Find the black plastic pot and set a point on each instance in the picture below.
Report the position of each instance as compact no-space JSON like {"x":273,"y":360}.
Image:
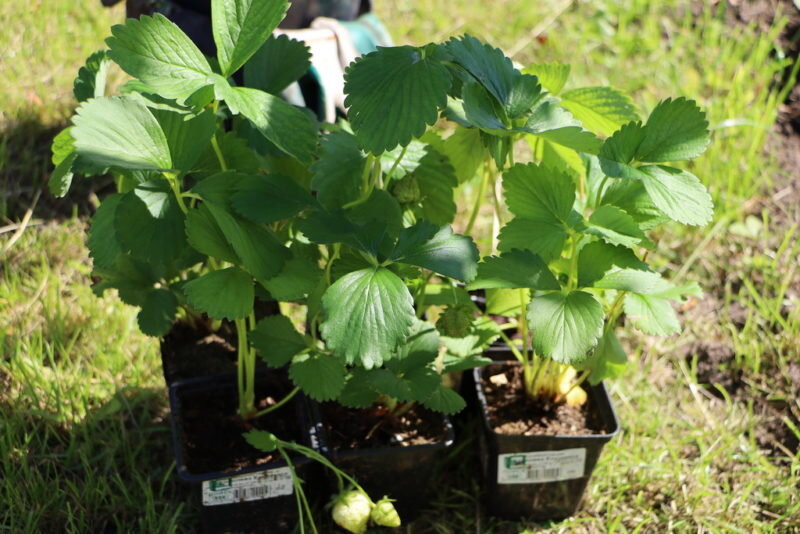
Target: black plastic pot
{"x":255,"y":499}
{"x":541,"y":477}
{"x":401,"y":473}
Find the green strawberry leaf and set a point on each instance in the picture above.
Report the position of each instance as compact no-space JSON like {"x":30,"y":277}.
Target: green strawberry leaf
{"x":486,"y":64}
{"x":437,"y":249}
{"x":357,"y":392}
{"x":557,"y":125}
{"x":187,"y":137}
{"x":608,"y":360}
{"x":104,"y":247}
{"x":338,"y":171}
{"x":291,"y":129}
{"x":506,"y":302}
{"x":542,"y":235}
{"x":262,"y":440}
{"x":456,"y":364}
{"x":61,"y":177}
{"x":205,"y":235}
{"x":393,"y":94}
{"x":615,"y":227}
{"x":266,"y":198}
{"x":240,"y":27}
{"x":234,"y":149}
{"x":633,"y":281}
{"x":676,"y":130}
{"x":276,"y":340}
{"x":420,"y":349}
{"x":158,"y":53}
{"x":518,"y":269}
{"x":91,"y":80}
{"x":257,"y":248}
{"x":464,"y":150}
{"x":296,"y":281}
{"x":157,"y":313}
{"x":565,"y":326}
{"x":632,"y":198}
{"x":320,"y":376}
{"x":553,"y":76}
{"x":484,"y":332}
{"x":602,"y":110}
{"x":150,"y":224}
{"x":278,"y":63}
{"x":120,"y":132}
{"x":651,"y":314}
{"x":437,"y":181}
{"x":678,"y":193}
{"x":445,"y":400}
{"x":483,"y":111}
{"x":223,"y":294}
{"x":539,"y":193}
{"x":597,"y":258}
{"x":368,"y":313}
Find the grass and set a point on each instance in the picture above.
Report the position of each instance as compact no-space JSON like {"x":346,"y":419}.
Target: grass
{"x":84,"y":444}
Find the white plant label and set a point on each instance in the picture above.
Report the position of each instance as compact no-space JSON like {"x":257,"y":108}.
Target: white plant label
{"x":252,"y":487}
{"x":544,"y":466}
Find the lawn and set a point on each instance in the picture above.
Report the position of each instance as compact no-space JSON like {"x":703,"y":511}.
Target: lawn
{"x":709,"y":439}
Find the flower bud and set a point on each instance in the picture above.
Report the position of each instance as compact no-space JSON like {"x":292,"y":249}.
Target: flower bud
{"x":384,"y":514}
{"x":406,"y":190}
{"x":455,"y":322}
{"x":351,"y":511}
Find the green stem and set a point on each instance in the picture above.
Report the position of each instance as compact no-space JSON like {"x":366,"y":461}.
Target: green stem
{"x":394,"y":166}
{"x":600,"y":192}
{"x":511,"y":346}
{"x":174,"y":184}
{"x":479,"y":199}
{"x":367,"y":182}
{"x":245,"y":373}
{"x":303,"y":509}
{"x":278,"y":404}
{"x":218,"y":152}
{"x":572,"y":283}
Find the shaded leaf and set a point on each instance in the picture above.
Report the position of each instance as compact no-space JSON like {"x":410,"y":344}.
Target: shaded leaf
{"x":338,"y":171}
{"x":614,"y":226}
{"x":518,"y":269}
{"x":320,"y":376}
{"x":91,"y":80}
{"x":266,"y":198}
{"x":279,"y":62}
{"x":223,"y":294}
{"x":276,"y":340}
{"x":437,"y":249}
{"x":445,"y":400}
{"x":157,"y":313}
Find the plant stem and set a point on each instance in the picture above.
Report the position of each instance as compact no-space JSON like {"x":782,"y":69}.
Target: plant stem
{"x":218,"y":152}
{"x":511,"y":346}
{"x":303,"y":509}
{"x":367,"y":182}
{"x":174,"y":184}
{"x":572,"y":282}
{"x":278,"y":404}
{"x":394,"y":166}
{"x":245,"y":373}
{"x":478,"y":200}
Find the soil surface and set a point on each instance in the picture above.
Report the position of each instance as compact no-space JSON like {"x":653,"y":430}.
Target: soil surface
{"x":210,"y":425}
{"x":188,"y":352}
{"x":351,"y":429}
{"x":511,"y":411}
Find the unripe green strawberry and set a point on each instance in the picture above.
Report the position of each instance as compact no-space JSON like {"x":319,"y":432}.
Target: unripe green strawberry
{"x":351,"y":511}
{"x":455,"y":321}
{"x":406,"y":190}
{"x":384,"y":514}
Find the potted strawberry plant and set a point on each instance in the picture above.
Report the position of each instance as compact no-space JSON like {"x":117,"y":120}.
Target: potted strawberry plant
{"x":571,"y":265}
{"x":199,"y":230}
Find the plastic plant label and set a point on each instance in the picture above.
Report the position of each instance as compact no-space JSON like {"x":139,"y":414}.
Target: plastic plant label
{"x":544,"y":466}
{"x":252,"y":487}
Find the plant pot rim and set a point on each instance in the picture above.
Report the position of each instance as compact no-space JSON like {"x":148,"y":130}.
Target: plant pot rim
{"x":597,"y":393}
{"x":211,"y":383}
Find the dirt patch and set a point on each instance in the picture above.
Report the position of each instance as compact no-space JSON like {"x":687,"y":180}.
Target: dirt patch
{"x":511,"y":412}
{"x":375,"y":427}
{"x":714,"y":368}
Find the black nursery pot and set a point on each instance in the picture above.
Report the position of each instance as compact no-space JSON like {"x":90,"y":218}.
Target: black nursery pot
{"x":541,"y":477}
{"x":401,"y":473}
{"x":258,"y":498}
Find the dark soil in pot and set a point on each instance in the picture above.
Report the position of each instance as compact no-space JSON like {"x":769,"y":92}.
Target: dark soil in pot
{"x":392,"y":456}
{"x":241,"y":489}
{"x":203,"y":348}
{"x":537,"y":459}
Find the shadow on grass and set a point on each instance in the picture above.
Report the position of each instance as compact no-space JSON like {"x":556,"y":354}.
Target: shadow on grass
{"x":112,"y":472}
{"x":25,"y":169}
